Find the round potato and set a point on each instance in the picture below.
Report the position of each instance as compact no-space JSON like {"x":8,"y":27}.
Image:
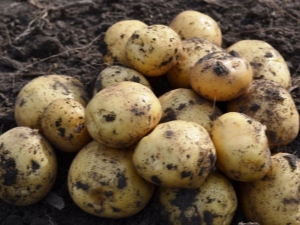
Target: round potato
{"x":63,"y":124}
{"x":120,"y":115}
{"x":265,"y":60}
{"x":275,"y":198}
{"x":242,"y":147}
{"x":214,"y":201}
{"x":116,"y":38}
{"x":115,"y":74}
{"x":36,"y":95}
{"x":176,"y":154}
{"x":153,"y":50}
{"x":186,"y":104}
{"x":103,"y":182}
{"x":189,"y":24}
{"x":28,"y":166}
{"x":272,"y":105}
{"x":221,"y":76}
{"x":192,"y":50}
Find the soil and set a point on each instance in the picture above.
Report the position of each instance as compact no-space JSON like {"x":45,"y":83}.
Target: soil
{"x":39,"y":37}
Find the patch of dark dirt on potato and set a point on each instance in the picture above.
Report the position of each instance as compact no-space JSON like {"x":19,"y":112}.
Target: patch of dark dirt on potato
{"x":66,"y":37}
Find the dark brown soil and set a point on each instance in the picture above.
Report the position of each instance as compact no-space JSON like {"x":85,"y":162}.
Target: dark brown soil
{"x":40,"y":37}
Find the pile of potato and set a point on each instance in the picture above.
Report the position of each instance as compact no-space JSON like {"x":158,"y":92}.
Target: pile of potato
{"x":204,"y":161}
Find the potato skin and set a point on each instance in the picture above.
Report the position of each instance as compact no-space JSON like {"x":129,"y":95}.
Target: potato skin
{"x":221,"y":76}
{"x":274,"y":199}
{"x":120,"y":115}
{"x":103,"y":182}
{"x":63,"y":124}
{"x":214,"y":202}
{"x":272,"y":105}
{"x":242,"y":147}
{"x":153,"y":50}
{"x":176,"y":154}
{"x":28,"y":166}
{"x":36,"y":95}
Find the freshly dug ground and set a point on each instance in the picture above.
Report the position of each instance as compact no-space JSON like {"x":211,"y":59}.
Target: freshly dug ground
{"x":39,"y":37}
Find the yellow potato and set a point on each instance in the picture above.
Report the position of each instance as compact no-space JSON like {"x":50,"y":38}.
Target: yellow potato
{"x":221,"y":76}
{"x":28,"y":166}
{"x":265,"y":60}
{"x":190,"y":23}
{"x":274,"y":199}
{"x":153,"y":50}
{"x":214,"y":202}
{"x":103,"y":182}
{"x":242,"y":147}
{"x":192,"y":50}
{"x":177,"y":154}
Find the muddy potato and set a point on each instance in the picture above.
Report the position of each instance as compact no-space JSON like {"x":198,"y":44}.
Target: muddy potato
{"x":120,"y":115}
{"x":36,"y":95}
{"x":221,"y":76}
{"x":116,"y":38}
{"x":274,"y":199}
{"x":186,"y":104}
{"x":28,"y":166}
{"x":153,"y":50}
{"x":176,"y":154}
{"x":272,"y":105}
{"x":265,"y":60}
{"x":103,"y":182}
{"x":242,"y":147}
{"x":190,"y":23}
{"x":214,"y":202}
{"x":192,"y":50}
{"x":63,"y":124}
{"x":115,"y":74}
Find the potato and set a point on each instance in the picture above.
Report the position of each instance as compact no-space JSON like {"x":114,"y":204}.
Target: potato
{"x":186,"y":104}
{"x":153,"y":50}
{"x":116,"y":38}
{"x":273,"y":106}
{"x":115,"y":74}
{"x":37,"y":94}
{"x":103,"y":182}
{"x":63,"y":124}
{"x":192,"y":50}
{"x":265,"y":60}
{"x":214,"y":202}
{"x":190,"y":23}
{"x":242,"y":147}
{"x":221,"y":76}
{"x":120,"y":115}
{"x":28,"y":166}
{"x":274,"y":199}
{"x":176,"y":154}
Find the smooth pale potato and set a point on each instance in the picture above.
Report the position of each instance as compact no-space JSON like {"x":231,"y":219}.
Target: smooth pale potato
{"x":28,"y":166}
{"x":103,"y":182}
{"x":37,"y":94}
{"x":272,"y":105}
{"x":192,"y":50}
{"x":190,"y":23}
{"x":153,"y":50}
{"x":214,"y":201}
{"x":275,"y":198}
{"x":242,"y":147}
{"x":63,"y":124}
{"x":120,"y":115}
{"x":115,"y":74}
{"x":116,"y":38}
{"x":186,"y":104}
{"x":221,"y":76}
{"x":176,"y":154}
{"x":265,"y":60}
